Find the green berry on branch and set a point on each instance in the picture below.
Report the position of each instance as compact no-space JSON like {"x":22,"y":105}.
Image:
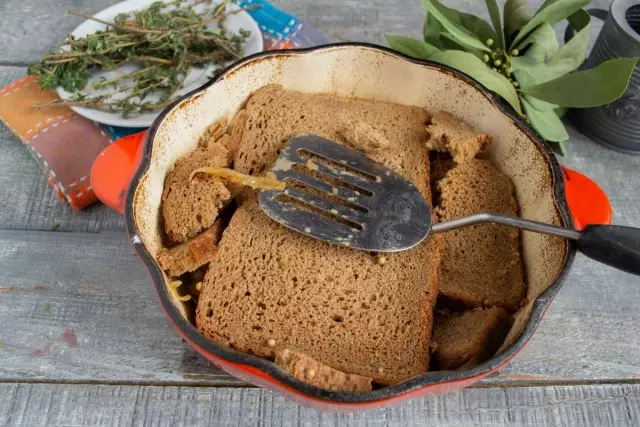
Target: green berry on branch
{"x":489,"y":42}
{"x":497,"y":62}
{"x":515,"y":52}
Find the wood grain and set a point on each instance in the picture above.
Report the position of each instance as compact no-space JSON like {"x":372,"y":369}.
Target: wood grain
{"x":77,"y":308}
{"x":61,"y":404}
{"x":93,"y":285}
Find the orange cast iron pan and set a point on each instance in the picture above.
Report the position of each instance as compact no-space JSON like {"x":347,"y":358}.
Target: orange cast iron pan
{"x":579,"y":202}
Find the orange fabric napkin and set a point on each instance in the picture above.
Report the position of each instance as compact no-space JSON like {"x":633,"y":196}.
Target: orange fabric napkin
{"x":62,"y":142}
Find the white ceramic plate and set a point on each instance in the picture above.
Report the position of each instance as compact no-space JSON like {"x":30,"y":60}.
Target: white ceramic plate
{"x":197,"y":77}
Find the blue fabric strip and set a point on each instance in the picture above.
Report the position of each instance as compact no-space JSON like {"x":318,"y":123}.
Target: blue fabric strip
{"x":118,"y":132}
{"x":270,"y":19}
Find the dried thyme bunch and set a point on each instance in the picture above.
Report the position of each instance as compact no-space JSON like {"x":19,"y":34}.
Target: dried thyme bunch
{"x":165,"y":44}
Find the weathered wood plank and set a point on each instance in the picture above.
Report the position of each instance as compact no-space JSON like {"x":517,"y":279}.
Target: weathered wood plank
{"x":28,"y":202}
{"x":62,"y":404}
{"x":92,"y":283}
{"x":79,"y":306}
{"x":57,"y":288}
{"x":32,"y":27}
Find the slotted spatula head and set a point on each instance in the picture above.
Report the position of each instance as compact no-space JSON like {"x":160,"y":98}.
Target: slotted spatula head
{"x":337,"y":194}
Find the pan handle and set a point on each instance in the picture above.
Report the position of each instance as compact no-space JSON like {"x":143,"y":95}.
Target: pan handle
{"x":587,"y":202}
{"x":114,"y":168}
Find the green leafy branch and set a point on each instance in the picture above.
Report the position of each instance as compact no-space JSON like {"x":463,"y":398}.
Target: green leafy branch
{"x":518,"y":57}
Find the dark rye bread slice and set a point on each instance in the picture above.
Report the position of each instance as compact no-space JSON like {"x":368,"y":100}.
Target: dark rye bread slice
{"x":351,"y":310}
{"x":440,"y":164}
{"x":225,"y":133}
{"x":191,"y":206}
{"x":192,"y":254}
{"x":469,"y":338}
{"x":311,"y":371}
{"x":274,"y":115}
{"x":481,"y":265}
{"x":342,"y":307}
{"x":450,"y":134}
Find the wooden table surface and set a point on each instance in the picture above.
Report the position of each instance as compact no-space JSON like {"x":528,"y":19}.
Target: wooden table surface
{"x":83,"y":339}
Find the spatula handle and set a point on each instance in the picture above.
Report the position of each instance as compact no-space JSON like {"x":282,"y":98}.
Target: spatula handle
{"x":524,"y":224}
{"x":613,"y":245}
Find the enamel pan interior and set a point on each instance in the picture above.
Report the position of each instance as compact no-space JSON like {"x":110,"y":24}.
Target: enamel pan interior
{"x":370,"y":72}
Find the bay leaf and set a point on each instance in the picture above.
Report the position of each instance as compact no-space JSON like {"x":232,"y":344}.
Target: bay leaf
{"x":561,"y":111}
{"x":589,"y":88}
{"x":528,"y":71}
{"x":450,"y":43}
{"x":516,"y":14}
{"x":472,"y":23}
{"x":539,"y":104}
{"x":411,"y":47}
{"x":560,"y":147}
{"x":542,"y":43}
{"x":496,"y":20}
{"x":551,"y":13}
{"x":436,"y":35}
{"x":546,"y":123}
{"x":546,"y":3}
{"x":570,"y":56}
{"x":432,"y":30}
{"x":478,"y":70}
{"x":457,"y":31}
{"x":477,"y":26}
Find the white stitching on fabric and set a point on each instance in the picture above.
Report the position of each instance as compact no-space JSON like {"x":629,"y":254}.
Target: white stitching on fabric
{"x":61,"y":187}
{"x":6,"y":91}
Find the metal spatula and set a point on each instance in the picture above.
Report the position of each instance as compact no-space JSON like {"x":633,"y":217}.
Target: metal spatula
{"x":339,"y":195}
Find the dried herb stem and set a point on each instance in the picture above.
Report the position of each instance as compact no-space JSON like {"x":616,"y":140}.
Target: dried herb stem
{"x":166,"y":39}
{"x":111,"y":24}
